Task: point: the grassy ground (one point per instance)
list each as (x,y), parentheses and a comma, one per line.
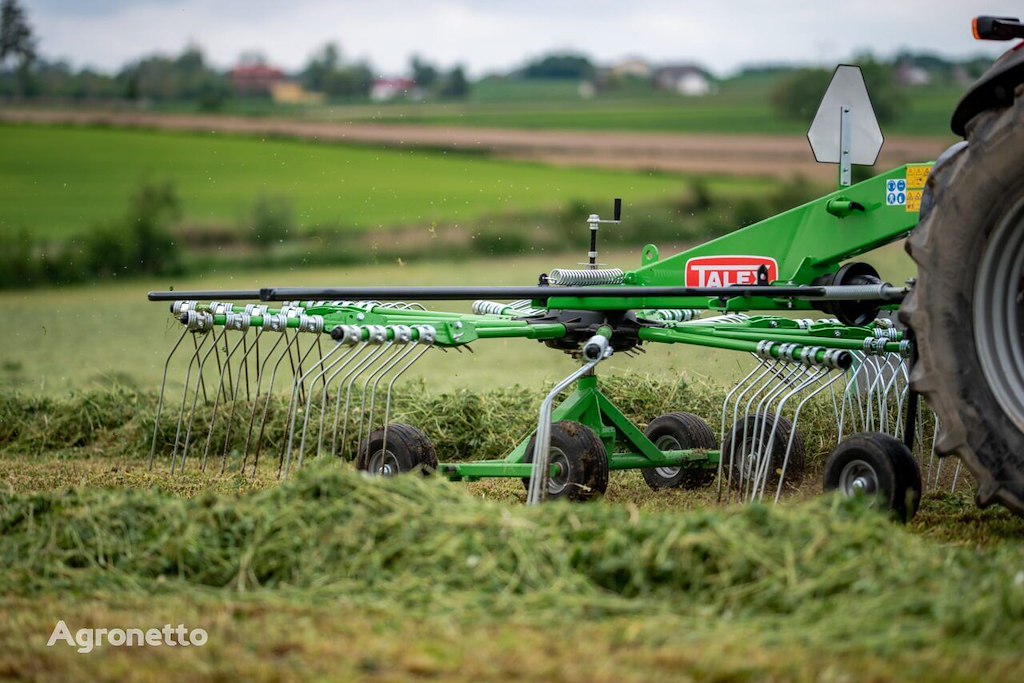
(57,182)
(336,577)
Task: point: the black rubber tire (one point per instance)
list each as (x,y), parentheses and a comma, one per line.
(681,431)
(743,434)
(893,470)
(967,198)
(584,459)
(408,450)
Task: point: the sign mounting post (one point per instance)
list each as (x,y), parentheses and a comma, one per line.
(851,137)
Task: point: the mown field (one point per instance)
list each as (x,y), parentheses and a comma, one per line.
(56,182)
(335,576)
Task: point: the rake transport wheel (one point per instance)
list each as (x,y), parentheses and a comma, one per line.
(966,308)
(876,465)
(750,433)
(677,432)
(581,459)
(407,449)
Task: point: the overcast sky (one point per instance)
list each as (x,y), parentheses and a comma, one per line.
(490,35)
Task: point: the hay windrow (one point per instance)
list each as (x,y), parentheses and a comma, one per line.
(463,424)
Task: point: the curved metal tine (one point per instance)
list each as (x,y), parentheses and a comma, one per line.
(725,408)
(363,410)
(359,348)
(901,386)
(193,361)
(391,384)
(775,370)
(796,420)
(800,380)
(349,379)
(890,398)
(320,369)
(324,380)
(202,382)
(956,476)
(802,377)
(850,391)
(297,396)
(398,358)
(226,371)
(766,367)
(226,367)
(192,415)
(260,374)
(758,454)
(931,458)
(234,396)
(881,422)
(286,352)
(160,401)
(869,400)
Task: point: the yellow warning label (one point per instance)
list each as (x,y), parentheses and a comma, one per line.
(916,177)
(913,197)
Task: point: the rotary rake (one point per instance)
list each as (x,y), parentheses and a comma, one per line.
(297,374)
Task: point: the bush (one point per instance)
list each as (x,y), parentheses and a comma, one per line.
(271,220)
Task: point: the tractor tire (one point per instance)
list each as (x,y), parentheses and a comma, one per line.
(966,309)
(407,450)
(674,432)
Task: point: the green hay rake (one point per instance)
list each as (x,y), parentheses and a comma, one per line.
(337,354)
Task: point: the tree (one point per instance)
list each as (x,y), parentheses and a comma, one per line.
(560,66)
(16,42)
(424,73)
(797,96)
(455,84)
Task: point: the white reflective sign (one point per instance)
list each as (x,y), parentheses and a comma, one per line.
(847,89)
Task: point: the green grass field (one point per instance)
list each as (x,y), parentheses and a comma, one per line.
(58,181)
(739,107)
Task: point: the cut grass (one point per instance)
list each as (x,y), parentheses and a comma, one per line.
(333,575)
(56,182)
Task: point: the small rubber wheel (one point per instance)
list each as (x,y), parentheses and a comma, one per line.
(581,459)
(879,466)
(678,432)
(753,433)
(406,449)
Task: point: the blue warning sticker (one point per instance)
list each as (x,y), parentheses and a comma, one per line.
(896,192)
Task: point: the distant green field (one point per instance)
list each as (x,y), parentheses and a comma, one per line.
(738,107)
(57,181)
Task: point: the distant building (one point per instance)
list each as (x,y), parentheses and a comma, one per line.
(290,92)
(254,78)
(911,74)
(632,66)
(384,89)
(685,79)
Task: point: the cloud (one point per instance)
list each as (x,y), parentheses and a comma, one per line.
(497,34)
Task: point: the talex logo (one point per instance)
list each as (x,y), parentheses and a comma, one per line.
(725,271)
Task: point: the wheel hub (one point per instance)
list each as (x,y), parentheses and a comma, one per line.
(858,478)
(667,443)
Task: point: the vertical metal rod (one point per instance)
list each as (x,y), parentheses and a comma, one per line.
(160,401)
